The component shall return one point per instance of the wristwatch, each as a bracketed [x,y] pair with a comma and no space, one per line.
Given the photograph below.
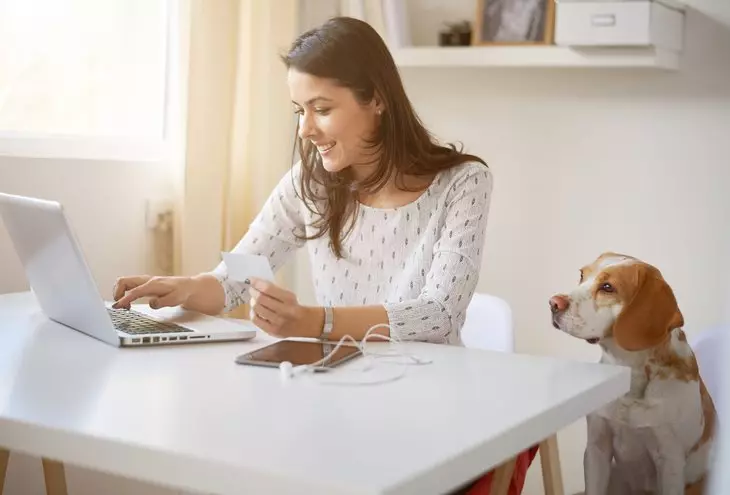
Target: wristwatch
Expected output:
[328,321]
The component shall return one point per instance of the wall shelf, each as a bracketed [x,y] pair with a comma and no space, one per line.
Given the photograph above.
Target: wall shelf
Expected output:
[536,56]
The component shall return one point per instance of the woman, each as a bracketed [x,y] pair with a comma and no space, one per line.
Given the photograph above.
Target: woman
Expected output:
[394,223]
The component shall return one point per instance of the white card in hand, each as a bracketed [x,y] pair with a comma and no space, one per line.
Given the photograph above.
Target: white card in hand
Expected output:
[244,266]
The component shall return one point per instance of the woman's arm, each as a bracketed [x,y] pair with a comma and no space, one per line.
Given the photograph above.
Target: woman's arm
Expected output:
[206,295]
[277,312]
[355,321]
[439,310]
[438,313]
[274,233]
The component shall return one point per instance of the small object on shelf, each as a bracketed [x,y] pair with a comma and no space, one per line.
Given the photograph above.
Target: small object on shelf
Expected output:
[456,34]
[514,22]
[616,23]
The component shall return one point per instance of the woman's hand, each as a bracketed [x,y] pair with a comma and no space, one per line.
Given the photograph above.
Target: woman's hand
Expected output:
[277,312]
[163,291]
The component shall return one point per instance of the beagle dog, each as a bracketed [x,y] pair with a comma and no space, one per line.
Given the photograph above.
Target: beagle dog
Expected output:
[658,438]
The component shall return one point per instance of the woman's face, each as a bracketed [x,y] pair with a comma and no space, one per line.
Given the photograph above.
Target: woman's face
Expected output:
[332,119]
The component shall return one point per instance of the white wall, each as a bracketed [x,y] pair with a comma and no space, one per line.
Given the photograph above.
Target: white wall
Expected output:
[105,204]
[592,160]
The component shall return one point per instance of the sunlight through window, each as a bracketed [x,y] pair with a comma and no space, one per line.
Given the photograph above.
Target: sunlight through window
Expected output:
[89,68]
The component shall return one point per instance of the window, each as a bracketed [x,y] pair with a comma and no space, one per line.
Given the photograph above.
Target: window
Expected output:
[89,72]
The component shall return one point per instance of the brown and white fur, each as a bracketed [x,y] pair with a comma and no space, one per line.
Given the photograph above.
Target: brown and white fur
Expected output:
[658,438]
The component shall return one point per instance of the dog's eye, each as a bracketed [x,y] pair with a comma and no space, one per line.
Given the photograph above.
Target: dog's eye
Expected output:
[581,276]
[606,287]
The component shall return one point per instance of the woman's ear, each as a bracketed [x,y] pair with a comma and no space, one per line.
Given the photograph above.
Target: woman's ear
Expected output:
[650,311]
[378,104]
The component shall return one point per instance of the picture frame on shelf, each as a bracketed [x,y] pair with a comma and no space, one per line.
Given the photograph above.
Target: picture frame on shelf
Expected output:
[514,22]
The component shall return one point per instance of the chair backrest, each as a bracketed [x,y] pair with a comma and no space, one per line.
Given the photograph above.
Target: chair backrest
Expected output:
[488,324]
[709,349]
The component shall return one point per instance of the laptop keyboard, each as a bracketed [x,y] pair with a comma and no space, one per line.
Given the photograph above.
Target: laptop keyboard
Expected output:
[134,323]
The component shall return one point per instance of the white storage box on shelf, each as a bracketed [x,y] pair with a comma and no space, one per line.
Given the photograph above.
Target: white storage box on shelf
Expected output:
[629,23]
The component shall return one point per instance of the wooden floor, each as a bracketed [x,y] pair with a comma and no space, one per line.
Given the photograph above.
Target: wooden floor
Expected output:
[53,473]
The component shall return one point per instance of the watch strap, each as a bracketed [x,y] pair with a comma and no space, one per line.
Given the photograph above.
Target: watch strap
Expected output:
[328,323]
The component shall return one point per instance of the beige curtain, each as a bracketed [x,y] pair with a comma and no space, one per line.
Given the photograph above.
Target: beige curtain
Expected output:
[238,123]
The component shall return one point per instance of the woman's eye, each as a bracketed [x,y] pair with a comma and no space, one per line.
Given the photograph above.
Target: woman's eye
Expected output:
[319,111]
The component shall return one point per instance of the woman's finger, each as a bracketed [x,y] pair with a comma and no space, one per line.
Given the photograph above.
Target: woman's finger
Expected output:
[269,302]
[123,284]
[263,324]
[151,288]
[268,315]
[271,290]
[168,300]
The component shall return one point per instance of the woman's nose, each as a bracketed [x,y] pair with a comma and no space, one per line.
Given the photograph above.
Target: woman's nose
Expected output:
[306,126]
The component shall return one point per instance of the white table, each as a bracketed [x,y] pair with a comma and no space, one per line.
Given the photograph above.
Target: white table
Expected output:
[189,417]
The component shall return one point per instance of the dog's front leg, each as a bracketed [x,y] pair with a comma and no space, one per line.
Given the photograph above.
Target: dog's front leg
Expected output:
[670,473]
[666,451]
[598,455]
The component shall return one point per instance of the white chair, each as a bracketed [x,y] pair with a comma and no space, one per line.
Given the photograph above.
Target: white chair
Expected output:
[709,349]
[489,326]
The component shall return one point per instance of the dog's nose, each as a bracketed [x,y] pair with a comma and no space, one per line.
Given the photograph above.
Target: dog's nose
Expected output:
[558,304]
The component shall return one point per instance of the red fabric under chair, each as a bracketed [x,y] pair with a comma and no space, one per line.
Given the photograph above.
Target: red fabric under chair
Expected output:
[483,486]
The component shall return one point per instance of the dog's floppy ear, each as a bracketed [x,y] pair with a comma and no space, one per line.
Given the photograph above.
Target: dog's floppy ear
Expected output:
[650,310]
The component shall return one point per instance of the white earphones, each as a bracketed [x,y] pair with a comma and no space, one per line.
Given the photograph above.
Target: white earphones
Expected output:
[287,371]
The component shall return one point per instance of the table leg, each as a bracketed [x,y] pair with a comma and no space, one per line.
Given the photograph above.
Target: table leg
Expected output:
[552,478]
[55,477]
[4,458]
[502,477]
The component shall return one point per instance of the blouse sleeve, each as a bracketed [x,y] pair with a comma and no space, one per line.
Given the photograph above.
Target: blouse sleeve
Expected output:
[438,314]
[273,233]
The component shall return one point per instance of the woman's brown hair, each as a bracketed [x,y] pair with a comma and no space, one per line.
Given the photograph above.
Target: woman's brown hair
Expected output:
[351,53]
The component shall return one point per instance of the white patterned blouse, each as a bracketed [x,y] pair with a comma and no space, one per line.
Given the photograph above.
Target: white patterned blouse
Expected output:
[420,261]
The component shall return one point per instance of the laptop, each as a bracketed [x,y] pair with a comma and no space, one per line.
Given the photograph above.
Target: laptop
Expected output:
[64,286]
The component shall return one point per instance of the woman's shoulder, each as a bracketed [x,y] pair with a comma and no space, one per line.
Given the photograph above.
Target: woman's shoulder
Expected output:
[293,173]
[287,190]
[471,174]
[290,180]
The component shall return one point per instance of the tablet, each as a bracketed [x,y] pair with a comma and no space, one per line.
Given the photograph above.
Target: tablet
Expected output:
[298,353]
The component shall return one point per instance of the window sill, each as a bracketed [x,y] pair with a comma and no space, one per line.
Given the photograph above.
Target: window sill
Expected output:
[23,145]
